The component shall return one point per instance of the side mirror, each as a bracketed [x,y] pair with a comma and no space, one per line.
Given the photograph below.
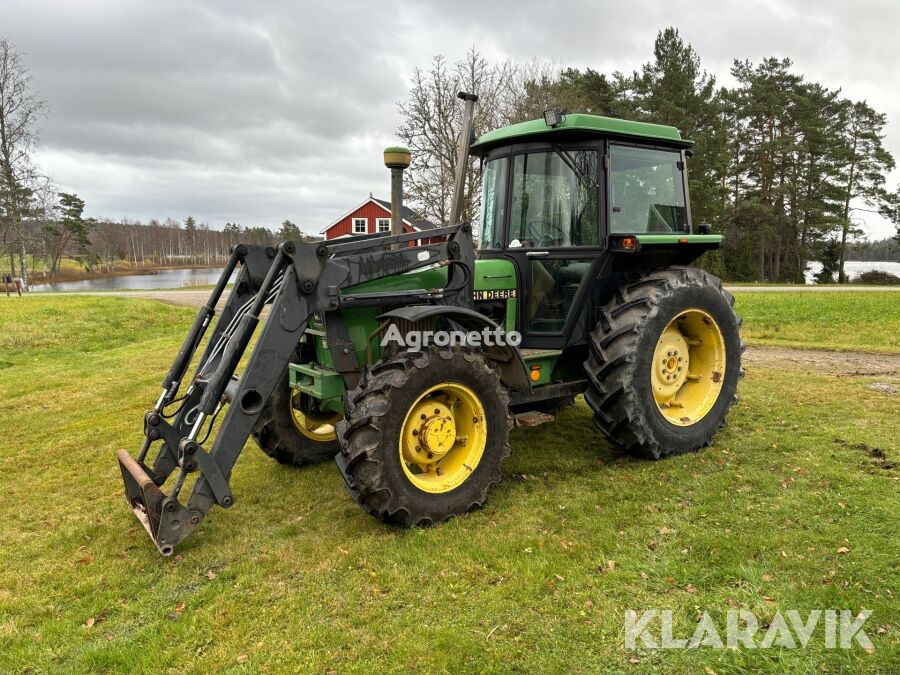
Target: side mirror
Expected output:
[704,228]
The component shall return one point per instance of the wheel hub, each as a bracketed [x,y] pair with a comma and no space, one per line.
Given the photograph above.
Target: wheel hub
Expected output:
[671,361]
[432,433]
[688,367]
[443,437]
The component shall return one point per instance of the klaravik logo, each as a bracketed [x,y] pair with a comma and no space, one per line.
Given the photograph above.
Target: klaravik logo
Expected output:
[654,629]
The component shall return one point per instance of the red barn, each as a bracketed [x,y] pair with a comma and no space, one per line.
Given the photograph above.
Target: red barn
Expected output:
[374,215]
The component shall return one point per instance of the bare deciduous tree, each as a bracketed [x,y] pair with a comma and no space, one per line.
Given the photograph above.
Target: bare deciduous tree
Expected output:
[19,112]
[432,119]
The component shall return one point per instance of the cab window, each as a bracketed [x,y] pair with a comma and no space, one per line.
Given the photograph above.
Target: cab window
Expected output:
[554,199]
[493,203]
[646,190]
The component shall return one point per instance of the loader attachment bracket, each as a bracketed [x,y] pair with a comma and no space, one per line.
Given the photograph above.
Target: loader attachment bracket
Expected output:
[166,521]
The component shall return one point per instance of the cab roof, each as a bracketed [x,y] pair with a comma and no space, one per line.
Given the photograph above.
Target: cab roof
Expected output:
[575,123]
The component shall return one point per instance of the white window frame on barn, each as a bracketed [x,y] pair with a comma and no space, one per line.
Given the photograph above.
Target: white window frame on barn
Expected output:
[357,221]
[382,224]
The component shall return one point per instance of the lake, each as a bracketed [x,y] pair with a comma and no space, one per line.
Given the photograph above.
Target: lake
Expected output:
[194,277]
[136,282]
[854,268]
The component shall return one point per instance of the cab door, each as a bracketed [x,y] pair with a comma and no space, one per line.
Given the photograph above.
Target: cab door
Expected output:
[553,235]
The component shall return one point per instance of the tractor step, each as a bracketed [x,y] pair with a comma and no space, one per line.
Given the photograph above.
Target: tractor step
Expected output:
[532,418]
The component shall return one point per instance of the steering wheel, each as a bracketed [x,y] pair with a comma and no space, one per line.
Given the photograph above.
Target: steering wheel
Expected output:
[547,235]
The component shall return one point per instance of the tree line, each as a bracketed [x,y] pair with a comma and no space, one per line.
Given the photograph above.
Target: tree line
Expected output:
[784,167]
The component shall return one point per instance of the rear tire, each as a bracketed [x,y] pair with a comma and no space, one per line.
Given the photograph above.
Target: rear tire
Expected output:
[277,431]
[406,398]
[629,391]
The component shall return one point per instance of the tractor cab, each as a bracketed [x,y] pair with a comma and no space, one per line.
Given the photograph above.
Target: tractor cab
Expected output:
[560,194]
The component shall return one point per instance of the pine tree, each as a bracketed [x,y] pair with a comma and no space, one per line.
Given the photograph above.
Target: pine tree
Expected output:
[866,161]
[190,231]
[674,89]
[290,231]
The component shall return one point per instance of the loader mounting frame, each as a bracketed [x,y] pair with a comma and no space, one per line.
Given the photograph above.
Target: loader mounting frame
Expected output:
[297,280]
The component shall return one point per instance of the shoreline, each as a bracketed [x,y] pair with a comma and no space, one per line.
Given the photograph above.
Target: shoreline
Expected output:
[140,271]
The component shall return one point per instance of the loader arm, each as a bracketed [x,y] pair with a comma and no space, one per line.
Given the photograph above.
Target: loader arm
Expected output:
[297,281]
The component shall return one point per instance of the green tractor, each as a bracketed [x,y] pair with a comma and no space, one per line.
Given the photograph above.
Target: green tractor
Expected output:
[409,362]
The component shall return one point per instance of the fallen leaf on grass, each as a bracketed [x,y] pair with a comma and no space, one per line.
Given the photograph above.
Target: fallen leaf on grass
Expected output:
[588,604]
[843,549]
[243,658]
[90,622]
[690,588]
[179,609]
[709,671]
[611,565]
[634,660]
[766,577]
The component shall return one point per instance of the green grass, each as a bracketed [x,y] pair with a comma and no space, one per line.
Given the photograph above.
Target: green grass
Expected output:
[296,577]
[835,320]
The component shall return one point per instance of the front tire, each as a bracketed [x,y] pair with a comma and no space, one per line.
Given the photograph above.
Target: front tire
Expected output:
[424,436]
[291,430]
[664,362]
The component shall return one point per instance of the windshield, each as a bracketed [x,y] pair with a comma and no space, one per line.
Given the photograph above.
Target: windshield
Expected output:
[493,203]
[554,199]
[647,190]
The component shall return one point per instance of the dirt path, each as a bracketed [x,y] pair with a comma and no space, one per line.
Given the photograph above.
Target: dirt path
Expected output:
[820,361]
[824,362]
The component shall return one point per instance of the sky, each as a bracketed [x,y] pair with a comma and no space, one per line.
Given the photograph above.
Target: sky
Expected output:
[253,112]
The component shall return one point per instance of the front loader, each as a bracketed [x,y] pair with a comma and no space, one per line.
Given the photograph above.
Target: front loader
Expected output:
[582,246]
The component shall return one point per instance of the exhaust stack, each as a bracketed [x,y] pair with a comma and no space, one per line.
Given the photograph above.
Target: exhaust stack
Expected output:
[462,158]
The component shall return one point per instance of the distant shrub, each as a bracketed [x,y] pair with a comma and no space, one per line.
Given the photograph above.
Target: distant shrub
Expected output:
[877,278]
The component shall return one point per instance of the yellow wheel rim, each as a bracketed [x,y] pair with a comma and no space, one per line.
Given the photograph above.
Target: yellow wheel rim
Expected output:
[443,437]
[318,427]
[688,367]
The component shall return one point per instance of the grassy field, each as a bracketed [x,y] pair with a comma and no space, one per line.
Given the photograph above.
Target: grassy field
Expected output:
[794,507]
[833,320]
